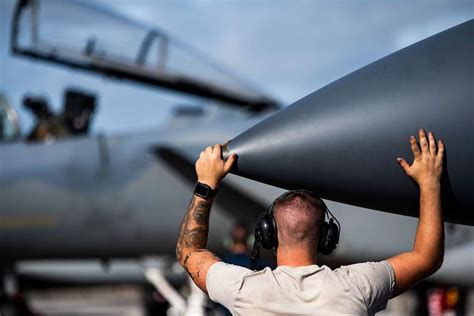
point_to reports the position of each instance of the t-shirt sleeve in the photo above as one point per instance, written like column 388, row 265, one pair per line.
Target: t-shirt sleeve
column 375, row 281
column 223, row 282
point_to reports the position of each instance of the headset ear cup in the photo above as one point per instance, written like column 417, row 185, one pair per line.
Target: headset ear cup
column 274, row 232
column 266, row 231
column 322, row 237
column 331, row 238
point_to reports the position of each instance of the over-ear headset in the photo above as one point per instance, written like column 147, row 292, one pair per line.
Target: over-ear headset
column 266, row 230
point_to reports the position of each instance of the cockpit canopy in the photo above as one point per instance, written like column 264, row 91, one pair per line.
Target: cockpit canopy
column 70, row 33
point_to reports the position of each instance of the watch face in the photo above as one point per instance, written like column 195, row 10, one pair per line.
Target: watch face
column 201, row 190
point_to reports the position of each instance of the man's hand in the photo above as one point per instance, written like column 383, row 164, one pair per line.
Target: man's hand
column 428, row 249
column 428, row 162
column 210, row 168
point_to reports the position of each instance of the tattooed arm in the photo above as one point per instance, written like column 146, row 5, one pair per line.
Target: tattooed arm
column 191, row 247
column 192, row 240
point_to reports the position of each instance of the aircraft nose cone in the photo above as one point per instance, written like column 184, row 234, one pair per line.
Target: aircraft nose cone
column 342, row 141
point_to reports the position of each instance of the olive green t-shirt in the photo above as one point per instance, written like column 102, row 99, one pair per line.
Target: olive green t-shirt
column 358, row 289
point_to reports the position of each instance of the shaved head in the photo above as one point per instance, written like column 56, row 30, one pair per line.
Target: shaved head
column 298, row 216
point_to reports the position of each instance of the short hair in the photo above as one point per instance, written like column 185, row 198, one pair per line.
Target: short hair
column 298, row 215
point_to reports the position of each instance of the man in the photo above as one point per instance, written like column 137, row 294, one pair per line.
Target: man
column 298, row 286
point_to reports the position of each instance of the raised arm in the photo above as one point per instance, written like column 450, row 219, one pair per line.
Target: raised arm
column 428, row 248
column 191, row 249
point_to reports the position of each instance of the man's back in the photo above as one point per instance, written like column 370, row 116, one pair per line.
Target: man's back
column 360, row 289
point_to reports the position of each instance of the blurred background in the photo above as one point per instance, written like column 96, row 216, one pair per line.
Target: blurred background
column 104, row 106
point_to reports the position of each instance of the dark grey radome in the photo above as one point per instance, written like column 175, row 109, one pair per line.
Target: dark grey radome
column 342, row 141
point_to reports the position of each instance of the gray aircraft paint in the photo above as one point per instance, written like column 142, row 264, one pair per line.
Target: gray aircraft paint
column 342, row 140
column 64, row 199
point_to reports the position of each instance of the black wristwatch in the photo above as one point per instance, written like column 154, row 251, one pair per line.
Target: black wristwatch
column 204, row 191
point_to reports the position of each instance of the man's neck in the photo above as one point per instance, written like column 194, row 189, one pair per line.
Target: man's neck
column 295, row 257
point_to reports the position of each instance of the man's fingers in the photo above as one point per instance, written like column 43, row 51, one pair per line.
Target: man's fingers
column 208, row 150
column 415, row 148
column 403, row 163
column 230, row 162
column 440, row 148
column 432, row 143
column 423, row 141
column 217, row 150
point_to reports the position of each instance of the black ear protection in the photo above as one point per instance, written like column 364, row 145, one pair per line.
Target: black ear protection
column 266, row 231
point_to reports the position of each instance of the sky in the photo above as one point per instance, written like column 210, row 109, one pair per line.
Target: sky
column 285, row 48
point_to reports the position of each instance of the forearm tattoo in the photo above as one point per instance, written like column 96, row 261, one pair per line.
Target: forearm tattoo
column 194, row 228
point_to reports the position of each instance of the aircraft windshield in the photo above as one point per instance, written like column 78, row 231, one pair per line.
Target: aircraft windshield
column 73, row 33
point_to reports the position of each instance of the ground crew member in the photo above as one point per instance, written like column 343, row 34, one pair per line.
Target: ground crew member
column 298, row 286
